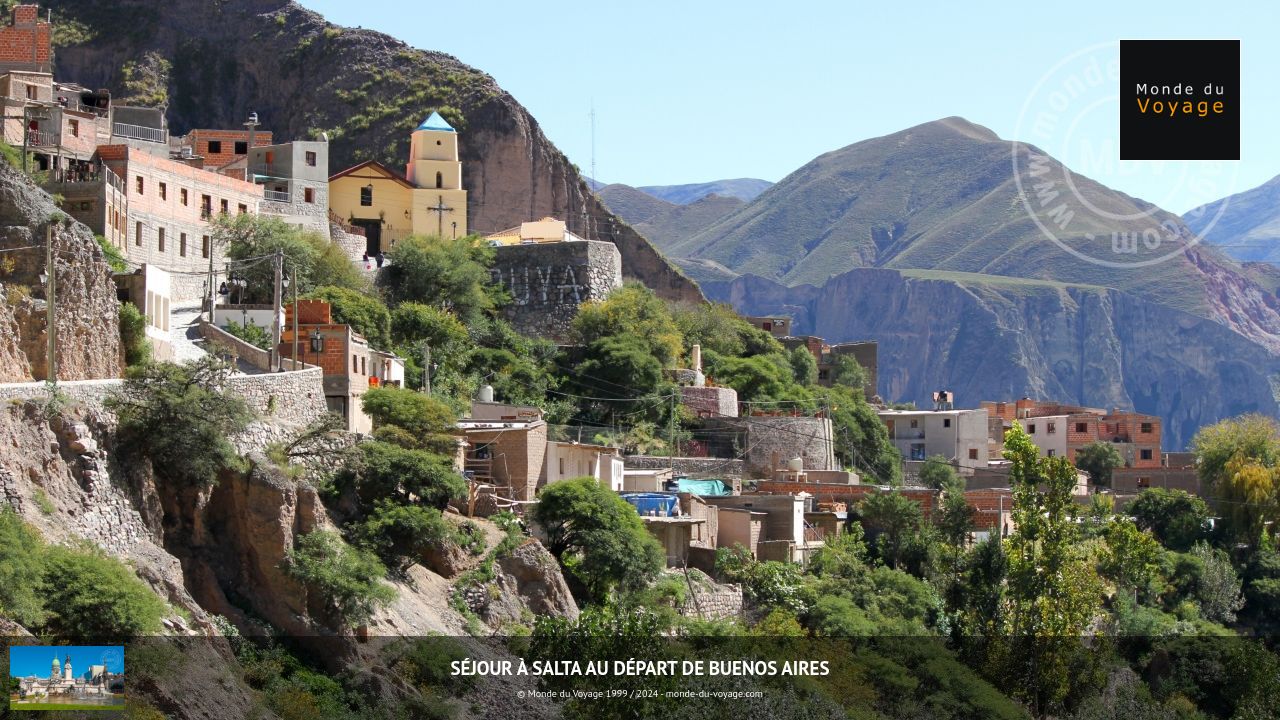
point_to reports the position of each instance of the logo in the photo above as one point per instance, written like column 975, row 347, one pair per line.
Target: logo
column 1068, row 148
column 1180, row 99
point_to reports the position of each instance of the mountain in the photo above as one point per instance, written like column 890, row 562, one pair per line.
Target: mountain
column 662, row 222
column 744, row 189
column 212, row 64
column 989, row 338
column 1245, row 226
column 943, row 196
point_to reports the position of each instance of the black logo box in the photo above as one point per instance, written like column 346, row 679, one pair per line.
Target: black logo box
column 1185, row 65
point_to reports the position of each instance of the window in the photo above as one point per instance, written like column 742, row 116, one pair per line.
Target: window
column 86, row 206
column 204, row 246
column 309, row 195
column 242, row 208
column 1146, row 454
column 1082, row 427
column 917, row 451
column 973, row 453
column 1031, row 429
column 363, row 370
column 561, row 466
column 206, row 206
column 214, row 147
column 1052, row 427
column 439, row 180
column 182, row 244
column 1144, row 482
column 182, row 196
column 1052, row 452
column 160, row 239
column 31, row 92
column 946, row 422
column 74, row 127
column 765, row 325
column 137, row 234
column 164, row 191
column 311, row 158
column 915, row 424
column 137, row 184
column 366, row 195
column 1146, row 428
column 241, row 147
column 222, row 204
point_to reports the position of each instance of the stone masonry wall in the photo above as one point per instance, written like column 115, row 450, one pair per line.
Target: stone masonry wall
column 810, row 438
column 694, row 467
column 548, row 282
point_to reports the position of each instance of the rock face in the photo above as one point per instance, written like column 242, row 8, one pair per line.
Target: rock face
column 365, row 89
column 87, row 312
column 528, row 582
column 1001, row 340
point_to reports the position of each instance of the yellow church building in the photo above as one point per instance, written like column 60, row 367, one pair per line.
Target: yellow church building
column 427, row 199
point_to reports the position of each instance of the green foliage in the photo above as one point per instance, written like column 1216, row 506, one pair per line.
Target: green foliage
column 309, row 256
column 804, row 367
column 363, row 312
column 1217, row 587
column 1239, row 465
column 718, row 328
column 169, row 411
column 349, row 577
column 424, row 417
column 451, row 275
column 1132, row 557
column 1177, row 518
column 848, row 372
column 769, row 585
column 396, row 533
column 111, row 253
column 597, row 536
column 757, row 378
column 425, row 662
column 897, row 534
column 90, row 595
column 21, row 571
column 955, row 518
column 133, row 335
column 253, row 333
column 880, row 601
column 43, row 502
column 861, row 439
column 938, row 474
column 146, row 81
column 1098, row 459
column 387, row 470
column 619, row 361
column 631, row 310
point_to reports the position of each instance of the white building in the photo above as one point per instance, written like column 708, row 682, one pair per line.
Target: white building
column 958, row 435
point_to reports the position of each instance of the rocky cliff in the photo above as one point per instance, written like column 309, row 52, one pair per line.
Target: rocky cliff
column 991, row 338
column 87, row 312
column 213, row 63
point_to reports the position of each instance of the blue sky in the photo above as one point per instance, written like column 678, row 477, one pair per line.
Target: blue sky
column 696, row 91
column 27, row 660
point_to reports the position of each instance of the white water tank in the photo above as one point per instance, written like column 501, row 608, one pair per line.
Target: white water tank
column 795, row 464
column 485, row 394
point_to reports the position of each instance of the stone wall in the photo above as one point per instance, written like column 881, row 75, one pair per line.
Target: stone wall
column 710, row 401
column 548, row 282
column 289, row 398
column 811, row 438
column 694, row 467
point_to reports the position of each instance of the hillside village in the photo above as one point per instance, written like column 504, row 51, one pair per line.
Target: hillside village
column 267, row 367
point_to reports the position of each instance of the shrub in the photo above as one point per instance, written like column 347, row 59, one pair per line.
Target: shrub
column 399, row 532
column 351, row 578
column 252, row 333
column 364, row 313
column 133, row 335
column 21, row 570
column 112, row 254
column 91, row 595
column 391, row 471
column 420, row 415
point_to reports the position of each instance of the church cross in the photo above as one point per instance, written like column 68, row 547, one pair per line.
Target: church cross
column 440, row 209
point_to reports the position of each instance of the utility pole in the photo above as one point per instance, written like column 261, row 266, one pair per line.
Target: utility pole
column 275, row 320
column 211, row 288
column 294, row 283
column 51, row 332
column 426, row 367
column 671, row 431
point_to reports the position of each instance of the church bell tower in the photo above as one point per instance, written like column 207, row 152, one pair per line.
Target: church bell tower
column 434, row 167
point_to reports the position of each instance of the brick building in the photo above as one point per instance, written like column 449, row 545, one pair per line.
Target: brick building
column 343, row 354
column 169, row 208
column 507, row 448
column 219, row 148
column 24, row 42
column 865, row 352
column 1060, row 430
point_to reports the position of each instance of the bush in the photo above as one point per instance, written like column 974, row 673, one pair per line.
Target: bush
column 254, row 334
column 351, row 578
column 364, row 313
column 21, row 570
column 399, row 532
column 450, row 275
column 180, row 412
column 91, row 595
column 771, row 585
column 133, row 335
column 420, row 415
column 112, row 254
column 391, row 471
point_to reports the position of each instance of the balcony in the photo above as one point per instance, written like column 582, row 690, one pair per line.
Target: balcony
column 275, row 196
column 137, row 132
column 40, row 139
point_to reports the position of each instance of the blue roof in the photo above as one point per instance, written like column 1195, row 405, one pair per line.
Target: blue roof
column 435, row 122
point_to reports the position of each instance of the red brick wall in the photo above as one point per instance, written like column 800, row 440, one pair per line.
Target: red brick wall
column 25, row 41
column 199, row 142
column 311, row 312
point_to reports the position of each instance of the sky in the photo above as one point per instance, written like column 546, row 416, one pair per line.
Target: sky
column 697, row 91
column 27, row 660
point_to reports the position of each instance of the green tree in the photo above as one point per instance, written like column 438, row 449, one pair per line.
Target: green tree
column 896, row 532
column 937, row 473
column 405, row 475
column 804, row 367
column 91, row 595
column 1237, row 461
column 847, row 372
column 718, row 327
column 167, row 411
column 1177, row 518
column 21, row 570
column 1053, row 590
column 955, row 517
column 447, row 274
column 633, row 310
column 1132, row 557
column 427, row 418
column 758, row 378
column 597, row 536
column 1217, row 587
column 861, row 438
column 363, row 312
column 403, row 532
column 349, row 578
column 133, row 335
column 308, row 256
column 1098, row 460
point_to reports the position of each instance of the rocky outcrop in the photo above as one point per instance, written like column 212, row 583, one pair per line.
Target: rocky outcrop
column 366, row 90
column 87, row 312
column 991, row 338
column 529, row 581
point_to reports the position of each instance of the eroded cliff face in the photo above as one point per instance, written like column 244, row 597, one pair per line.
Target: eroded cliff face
column 1002, row 340
column 366, row 90
column 88, row 320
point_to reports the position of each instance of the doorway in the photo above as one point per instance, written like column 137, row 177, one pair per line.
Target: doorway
column 372, row 235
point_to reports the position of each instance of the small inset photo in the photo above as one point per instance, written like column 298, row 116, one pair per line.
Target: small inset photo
column 66, row 677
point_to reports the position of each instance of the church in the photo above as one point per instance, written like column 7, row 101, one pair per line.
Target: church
column 96, row 682
column 427, row 199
